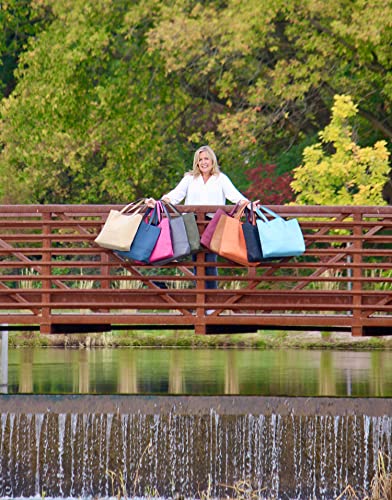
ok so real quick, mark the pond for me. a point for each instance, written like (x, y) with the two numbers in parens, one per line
(288, 372)
(194, 423)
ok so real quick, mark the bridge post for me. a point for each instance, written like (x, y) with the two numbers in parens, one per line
(46, 270)
(4, 361)
(200, 326)
(357, 299)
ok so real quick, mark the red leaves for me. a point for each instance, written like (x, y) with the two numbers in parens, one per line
(269, 187)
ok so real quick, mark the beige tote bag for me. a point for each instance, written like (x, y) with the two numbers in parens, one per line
(120, 227)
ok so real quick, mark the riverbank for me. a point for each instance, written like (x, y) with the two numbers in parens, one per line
(187, 339)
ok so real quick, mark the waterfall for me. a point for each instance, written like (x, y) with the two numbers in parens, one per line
(172, 453)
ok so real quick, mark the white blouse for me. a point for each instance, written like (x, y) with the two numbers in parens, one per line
(215, 191)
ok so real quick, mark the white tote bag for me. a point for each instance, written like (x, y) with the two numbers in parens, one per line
(120, 227)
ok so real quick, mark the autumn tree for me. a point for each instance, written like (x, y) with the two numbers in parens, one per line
(113, 97)
(266, 72)
(336, 170)
(269, 186)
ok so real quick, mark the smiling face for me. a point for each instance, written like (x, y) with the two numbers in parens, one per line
(205, 164)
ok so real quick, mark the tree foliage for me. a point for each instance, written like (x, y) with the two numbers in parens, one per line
(270, 69)
(349, 175)
(93, 116)
(19, 21)
(110, 98)
(268, 186)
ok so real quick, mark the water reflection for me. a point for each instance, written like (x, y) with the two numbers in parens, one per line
(197, 372)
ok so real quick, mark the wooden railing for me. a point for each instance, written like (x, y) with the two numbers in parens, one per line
(54, 278)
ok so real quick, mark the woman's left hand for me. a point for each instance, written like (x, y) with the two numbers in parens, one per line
(150, 202)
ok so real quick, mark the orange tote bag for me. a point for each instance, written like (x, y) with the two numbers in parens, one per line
(228, 239)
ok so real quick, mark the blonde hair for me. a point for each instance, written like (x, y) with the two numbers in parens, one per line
(211, 154)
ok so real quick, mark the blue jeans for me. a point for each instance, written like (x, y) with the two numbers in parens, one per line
(210, 270)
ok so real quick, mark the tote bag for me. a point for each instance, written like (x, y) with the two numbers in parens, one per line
(179, 237)
(145, 239)
(120, 227)
(279, 237)
(209, 230)
(192, 231)
(164, 247)
(252, 239)
(228, 239)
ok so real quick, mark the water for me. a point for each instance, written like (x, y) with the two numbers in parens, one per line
(169, 423)
(97, 446)
(286, 372)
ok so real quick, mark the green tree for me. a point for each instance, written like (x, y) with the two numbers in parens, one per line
(114, 95)
(19, 20)
(349, 175)
(93, 117)
(267, 71)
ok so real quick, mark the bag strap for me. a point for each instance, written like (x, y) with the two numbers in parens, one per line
(164, 209)
(172, 207)
(250, 215)
(239, 210)
(132, 206)
(269, 211)
(239, 206)
(261, 215)
(151, 216)
(159, 210)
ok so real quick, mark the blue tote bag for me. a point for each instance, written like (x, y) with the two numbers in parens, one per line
(145, 239)
(279, 237)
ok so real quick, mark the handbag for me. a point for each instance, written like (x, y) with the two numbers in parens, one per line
(120, 227)
(164, 247)
(209, 230)
(228, 240)
(252, 239)
(192, 231)
(279, 237)
(179, 237)
(211, 227)
(145, 239)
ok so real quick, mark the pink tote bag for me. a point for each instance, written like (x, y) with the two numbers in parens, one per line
(164, 245)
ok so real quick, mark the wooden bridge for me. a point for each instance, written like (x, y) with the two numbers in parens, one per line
(54, 278)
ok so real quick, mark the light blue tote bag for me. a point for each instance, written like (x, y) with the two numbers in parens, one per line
(279, 237)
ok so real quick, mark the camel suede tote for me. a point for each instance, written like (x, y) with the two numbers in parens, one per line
(145, 239)
(120, 227)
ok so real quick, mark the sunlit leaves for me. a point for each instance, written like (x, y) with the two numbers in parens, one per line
(287, 59)
(349, 175)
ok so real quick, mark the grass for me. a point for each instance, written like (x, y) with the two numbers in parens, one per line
(187, 339)
(380, 487)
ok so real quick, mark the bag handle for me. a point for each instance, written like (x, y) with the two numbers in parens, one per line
(239, 207)
(152, 216)
(250, 215)
(269, 211)
(172, 207)
(132, 206)
(159, 210)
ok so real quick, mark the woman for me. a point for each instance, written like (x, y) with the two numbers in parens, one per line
(204, 185)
